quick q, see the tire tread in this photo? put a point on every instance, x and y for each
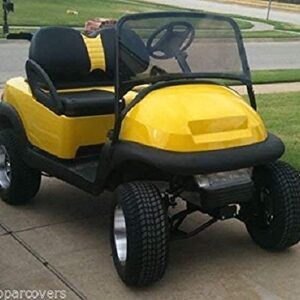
(147, 225)
(25, 181)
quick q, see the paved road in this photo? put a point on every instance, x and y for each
(270, 55)
(13, 55)
(273, 55)
(230, 8)
(63, 244)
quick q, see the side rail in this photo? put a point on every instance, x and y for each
(42, 87)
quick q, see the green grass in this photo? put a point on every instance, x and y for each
(277, 24)
(269, 77)
(53, 12)
(243, 24)
(285, 26)
(275, 76)
(270, 34)
(281, 114)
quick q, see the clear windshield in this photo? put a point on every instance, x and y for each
(160, 46)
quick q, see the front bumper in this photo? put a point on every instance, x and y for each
(201, 162)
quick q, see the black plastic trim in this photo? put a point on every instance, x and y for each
(8, 113)
(38, 78)
(66, 170)
(90, 150)
(201, 162)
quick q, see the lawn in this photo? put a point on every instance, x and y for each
(277, 24)
(54, 12)
(269, 77)
(281, 114)
(285, 26)
(275, 76)
(274, 34)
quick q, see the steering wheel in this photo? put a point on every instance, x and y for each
(170, 39)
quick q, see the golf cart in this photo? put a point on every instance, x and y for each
(141, 109)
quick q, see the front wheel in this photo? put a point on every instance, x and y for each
(139, 234)
(273, 217)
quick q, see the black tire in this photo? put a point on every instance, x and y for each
(24, 181)
(273, 219)
(147, 234)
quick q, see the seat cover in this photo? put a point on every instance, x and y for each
(87, 103)
(63, 58)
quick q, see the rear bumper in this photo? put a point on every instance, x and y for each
(201, 162)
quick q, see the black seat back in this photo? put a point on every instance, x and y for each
(73, 60)
(134, 56)
(63, 54)
(63, 58)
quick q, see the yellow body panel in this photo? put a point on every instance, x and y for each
(193, 117)
(96, 52)
(186, 118)
(60, 136)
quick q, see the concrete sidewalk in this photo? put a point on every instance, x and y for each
(60, 242)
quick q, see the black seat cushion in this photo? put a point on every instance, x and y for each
(87, 103)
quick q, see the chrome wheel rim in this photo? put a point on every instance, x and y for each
(120, 235)
(5, 168)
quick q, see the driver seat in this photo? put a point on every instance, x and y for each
(66, 69)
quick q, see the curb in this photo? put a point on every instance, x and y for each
(268, 40)
(5, 41)
(261, 5)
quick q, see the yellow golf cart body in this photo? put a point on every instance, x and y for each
(147, 101)
(225, 121)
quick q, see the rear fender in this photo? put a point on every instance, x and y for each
(9, 118)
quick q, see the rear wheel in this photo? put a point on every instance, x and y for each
(273, 219)
(18, 182)
(139, 234)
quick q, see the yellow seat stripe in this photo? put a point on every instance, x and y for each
(96, 52)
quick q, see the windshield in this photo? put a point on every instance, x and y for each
(160, 46)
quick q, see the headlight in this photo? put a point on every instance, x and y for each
(224, 179)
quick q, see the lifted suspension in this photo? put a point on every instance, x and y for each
(177, 220)
(171, 198)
